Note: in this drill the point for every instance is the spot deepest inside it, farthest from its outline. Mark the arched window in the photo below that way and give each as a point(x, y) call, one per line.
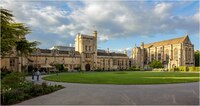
point(159, 55)
point(189, 54)
point(152, 55)
point(166, 55)
point(186, 54)
point(175, 54)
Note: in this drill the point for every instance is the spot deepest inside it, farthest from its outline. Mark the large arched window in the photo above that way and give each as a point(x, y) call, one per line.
point(189, 54)
point(159, 55)
point(152, 55)
point(176, 54)
point(166, 55)
point(186, 54)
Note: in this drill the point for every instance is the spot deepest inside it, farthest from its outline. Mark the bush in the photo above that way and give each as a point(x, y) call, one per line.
point(60, 67)
point(194, 68)
point(16, 95)
point(182, 68)
point(13, 80)
point(156, 64)
point(4, 73)
point(134, 69)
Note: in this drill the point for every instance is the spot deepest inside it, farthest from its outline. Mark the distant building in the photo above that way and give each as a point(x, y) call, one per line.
point(171, 53)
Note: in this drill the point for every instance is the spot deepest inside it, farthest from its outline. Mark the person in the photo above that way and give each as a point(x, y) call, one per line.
point(33, 74)
point(38, 74)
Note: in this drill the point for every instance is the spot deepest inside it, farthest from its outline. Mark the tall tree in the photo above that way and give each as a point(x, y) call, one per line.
point(13, 36)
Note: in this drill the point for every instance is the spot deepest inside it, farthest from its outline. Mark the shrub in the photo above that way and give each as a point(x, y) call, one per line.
point(13, 80)
point(182, 68)
point(156, 64)
point(134, 69)
point(194, 68)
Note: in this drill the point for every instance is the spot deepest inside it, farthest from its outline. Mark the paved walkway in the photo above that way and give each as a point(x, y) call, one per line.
point(101, 94)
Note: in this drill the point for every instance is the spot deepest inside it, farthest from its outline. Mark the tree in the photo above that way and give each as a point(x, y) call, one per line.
point(156, 64)
point(13, 35)
point(197, 59)
point(60, 67)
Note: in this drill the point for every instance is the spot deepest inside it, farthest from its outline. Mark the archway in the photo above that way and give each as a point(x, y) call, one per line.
point(87, 67)
point(173, 66)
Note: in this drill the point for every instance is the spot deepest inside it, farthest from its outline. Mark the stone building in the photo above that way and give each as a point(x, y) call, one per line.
point(171, 53)
point(84, 55)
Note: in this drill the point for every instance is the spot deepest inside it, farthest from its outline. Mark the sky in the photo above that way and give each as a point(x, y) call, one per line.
point(120, 24)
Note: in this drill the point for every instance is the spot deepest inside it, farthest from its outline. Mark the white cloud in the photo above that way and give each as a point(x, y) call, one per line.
point(162, 8)
point(111, 19)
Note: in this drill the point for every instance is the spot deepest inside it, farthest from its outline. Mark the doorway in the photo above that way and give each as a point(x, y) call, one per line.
point(87, 67)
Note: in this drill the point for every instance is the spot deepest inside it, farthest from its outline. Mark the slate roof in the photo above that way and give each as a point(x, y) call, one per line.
point(111, 54)
point(166, 42)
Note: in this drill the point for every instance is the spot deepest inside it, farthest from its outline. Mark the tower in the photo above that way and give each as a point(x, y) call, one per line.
point(86, 45)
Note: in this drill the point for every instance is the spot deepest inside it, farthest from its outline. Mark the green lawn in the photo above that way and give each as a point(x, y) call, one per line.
point(126, 77)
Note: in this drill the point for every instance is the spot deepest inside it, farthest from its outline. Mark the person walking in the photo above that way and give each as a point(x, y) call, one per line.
point(38, 74)
point(33, 74)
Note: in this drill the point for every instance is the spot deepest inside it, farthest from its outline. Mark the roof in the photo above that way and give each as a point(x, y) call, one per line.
point(111, 54)
point(63, 48)
point(166, 42)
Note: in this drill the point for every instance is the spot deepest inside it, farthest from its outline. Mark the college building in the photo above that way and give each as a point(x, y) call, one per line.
point(85, 56)
point(171, 53)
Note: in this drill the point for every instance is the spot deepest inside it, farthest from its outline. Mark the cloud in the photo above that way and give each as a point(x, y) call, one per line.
point(56, 21)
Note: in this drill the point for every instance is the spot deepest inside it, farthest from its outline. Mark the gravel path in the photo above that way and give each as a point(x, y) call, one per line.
point(102, 94)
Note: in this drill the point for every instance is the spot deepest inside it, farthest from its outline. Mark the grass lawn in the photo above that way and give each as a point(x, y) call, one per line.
point(126, 77)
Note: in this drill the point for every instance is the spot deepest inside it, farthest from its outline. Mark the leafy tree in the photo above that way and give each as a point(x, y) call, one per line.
point(197, 59)
point(13, 35)
point(156, 64)
point(60, 67)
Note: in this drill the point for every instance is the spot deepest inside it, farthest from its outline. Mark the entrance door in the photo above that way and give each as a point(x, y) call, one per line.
point(87, 67)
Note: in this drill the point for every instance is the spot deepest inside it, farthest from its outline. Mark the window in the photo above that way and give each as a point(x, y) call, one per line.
point(159, 55)
point(167, 55)
point(89, 48)
point(86, 48)
point(186, 54)
point(189, 54)
point(87, 55)
point(175, 54)
point(152, 56)
point(12, 62)
point(114, 61)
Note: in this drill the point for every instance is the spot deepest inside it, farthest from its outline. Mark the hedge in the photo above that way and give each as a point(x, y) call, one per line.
point(191, 69)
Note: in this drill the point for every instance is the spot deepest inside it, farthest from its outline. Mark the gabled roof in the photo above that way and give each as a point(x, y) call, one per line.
point(167, 42)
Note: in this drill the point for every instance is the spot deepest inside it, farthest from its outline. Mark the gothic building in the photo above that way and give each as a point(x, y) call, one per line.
point(171, 53)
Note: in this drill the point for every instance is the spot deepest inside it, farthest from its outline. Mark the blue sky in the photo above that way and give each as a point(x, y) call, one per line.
point(120, 24)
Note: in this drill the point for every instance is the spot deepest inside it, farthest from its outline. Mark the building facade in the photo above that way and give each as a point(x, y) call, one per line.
point(171, 53)
point(84, 55)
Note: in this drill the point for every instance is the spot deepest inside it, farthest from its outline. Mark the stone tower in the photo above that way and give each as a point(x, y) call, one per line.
point(87, 47)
